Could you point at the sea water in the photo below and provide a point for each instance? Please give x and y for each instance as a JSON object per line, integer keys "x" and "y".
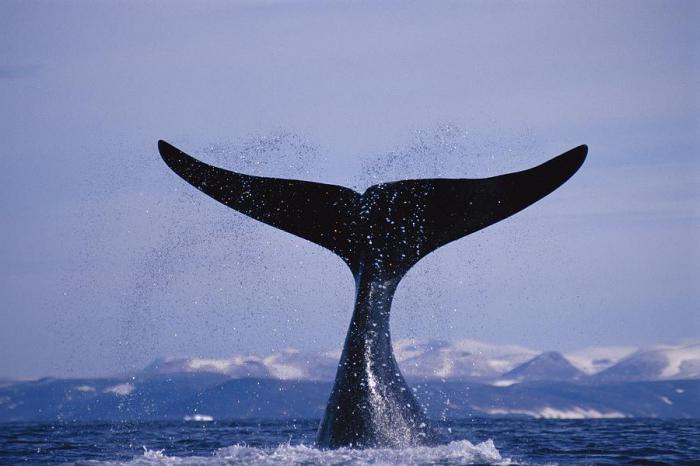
{"x": 257, "y": 442}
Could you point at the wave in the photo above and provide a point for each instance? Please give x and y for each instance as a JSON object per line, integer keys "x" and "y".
{"x": 460, "y": 452}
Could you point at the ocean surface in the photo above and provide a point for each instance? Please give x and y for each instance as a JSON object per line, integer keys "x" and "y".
{"x": 472, "y": 441}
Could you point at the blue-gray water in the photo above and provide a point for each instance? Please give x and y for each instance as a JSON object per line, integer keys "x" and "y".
{"x": 473, "y": 441}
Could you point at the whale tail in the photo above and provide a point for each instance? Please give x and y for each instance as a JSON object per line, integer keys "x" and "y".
{"x": 391, "y": 224}
{"x": 380, "y": 234}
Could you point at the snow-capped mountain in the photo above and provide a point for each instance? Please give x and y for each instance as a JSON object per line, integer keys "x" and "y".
{"x": 421, "y": 359}
{"x": 452, "y": 380}
{"x": 463, "y": 359}
{"x": 660, "y": 363}
{"x": 595, "y": 359}
{"x": 288, "y": 364}
{"x": 549, "y": 365}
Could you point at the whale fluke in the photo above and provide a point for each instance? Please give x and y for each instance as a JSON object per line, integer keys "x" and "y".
{"x": 404, "y": 220}
{"x": 380, "y": 235}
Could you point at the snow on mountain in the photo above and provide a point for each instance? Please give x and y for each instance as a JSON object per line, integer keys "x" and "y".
{"x": 659, "y": 363}
{"x": 284, "y": 365}
{"x": 462, "y": 360}
{"x": 598, "y": 358}
{"x": 292, "y": 364}
{"x": 447, "y": 363}
{"x": 683, "y": 362}
{"x": 549, "y": 365}
{"x": 419, "y": 359}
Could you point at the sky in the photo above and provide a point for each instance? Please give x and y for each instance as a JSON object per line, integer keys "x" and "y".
{"x": 110, "y": 260}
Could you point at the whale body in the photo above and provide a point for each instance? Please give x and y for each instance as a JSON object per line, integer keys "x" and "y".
{"x": 380, "y": 234}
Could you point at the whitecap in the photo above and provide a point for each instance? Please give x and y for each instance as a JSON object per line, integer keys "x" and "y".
{"x": 461, "y": 452}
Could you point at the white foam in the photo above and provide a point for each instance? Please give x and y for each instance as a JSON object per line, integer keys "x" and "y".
{"x": 199, "y": 418}
{"x": 460, "y": 452}
{"x": 504, "y": 382}
{"x": 85, "y": 388}
{"x": 548, "y": 412}
{"x": 121, "y": 389}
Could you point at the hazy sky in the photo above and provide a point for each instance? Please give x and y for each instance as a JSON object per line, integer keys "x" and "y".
{"x": 109, "y": 259}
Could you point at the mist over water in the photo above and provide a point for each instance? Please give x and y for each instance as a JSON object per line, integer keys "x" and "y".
{"x": 213, "y": 244}
{"x": 447, "y": 151}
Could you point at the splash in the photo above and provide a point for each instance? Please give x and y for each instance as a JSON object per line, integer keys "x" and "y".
{"x": 460, "y": 452}
{"x": 445, "y": 150}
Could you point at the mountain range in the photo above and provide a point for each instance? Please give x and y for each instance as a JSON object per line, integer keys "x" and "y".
{"x": 464, "y": 360}
{"x": 452, "y": 380}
